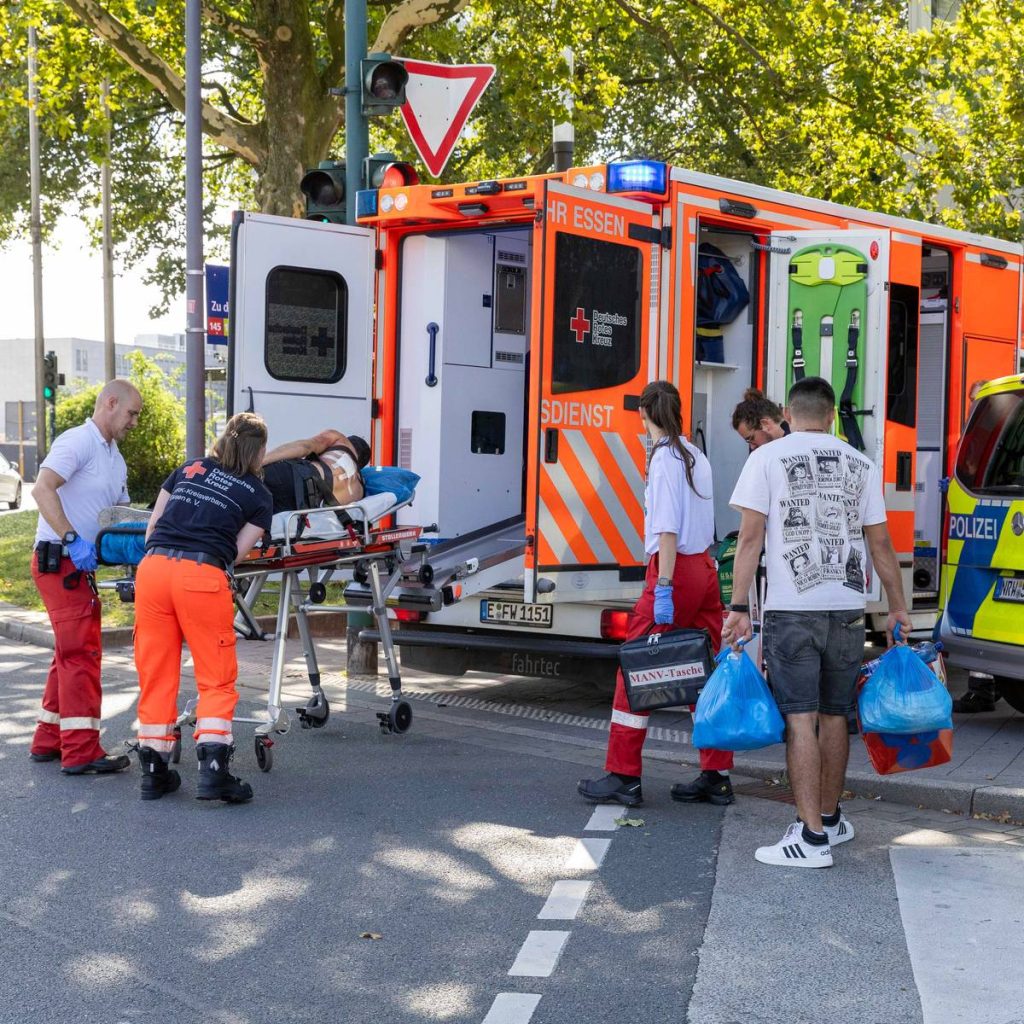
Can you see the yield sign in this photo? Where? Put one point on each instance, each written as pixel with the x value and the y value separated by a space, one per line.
pixel 438 101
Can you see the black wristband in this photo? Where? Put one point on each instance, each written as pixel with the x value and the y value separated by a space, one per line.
pixel 745 608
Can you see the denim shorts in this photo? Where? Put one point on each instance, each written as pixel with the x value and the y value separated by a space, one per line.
pixel 813 659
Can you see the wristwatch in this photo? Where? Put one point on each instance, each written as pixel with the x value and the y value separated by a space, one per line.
pixel 664 581
pixel 745 608
pixel 69 538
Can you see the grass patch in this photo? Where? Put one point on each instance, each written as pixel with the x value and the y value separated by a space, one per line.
pixel 17 535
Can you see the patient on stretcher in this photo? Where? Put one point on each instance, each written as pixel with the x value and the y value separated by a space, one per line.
pixel 320 470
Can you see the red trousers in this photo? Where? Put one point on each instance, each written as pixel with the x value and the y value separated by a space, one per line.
pixel 697 605
pixel 69 721
pixel 175 601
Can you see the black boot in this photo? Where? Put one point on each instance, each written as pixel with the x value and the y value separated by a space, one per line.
pixel 708 786
pixel 157 778
pixel 215 781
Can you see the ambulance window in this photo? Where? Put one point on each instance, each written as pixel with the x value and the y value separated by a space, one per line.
pixel 597 314
pixel 307 318
pixel 902 397
pixel 991 459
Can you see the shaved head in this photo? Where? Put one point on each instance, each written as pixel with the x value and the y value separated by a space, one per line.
pixel 117 409
pixel 119 389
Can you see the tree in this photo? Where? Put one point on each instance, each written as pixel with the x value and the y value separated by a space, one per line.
pixel 157 445
pixel 832 98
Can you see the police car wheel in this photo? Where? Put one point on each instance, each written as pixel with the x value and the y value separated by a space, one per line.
pixel 1012 691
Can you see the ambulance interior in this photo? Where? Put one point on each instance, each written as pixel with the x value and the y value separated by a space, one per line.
pixel 463 358
pixel 918 346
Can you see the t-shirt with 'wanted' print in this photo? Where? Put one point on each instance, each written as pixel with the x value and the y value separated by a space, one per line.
pixel 818 493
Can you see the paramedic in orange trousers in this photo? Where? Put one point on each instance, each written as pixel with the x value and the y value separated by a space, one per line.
pixel 210 512
pixel 681 590
pixel 83 474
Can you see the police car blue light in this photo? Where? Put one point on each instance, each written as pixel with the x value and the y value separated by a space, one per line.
pixel 366 203
pixel 637 176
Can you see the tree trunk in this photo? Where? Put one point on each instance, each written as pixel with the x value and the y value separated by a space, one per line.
pixel 301 117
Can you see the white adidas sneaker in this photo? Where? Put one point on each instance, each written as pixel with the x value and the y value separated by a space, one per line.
pixel 841 833
pixel 792 852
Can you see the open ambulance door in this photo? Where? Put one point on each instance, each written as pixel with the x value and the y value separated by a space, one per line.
pixel 829 317
pixel 594 336
pixel 300 345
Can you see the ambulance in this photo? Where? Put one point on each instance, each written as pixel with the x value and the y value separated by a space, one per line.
pixel 982 588
pixel 494 338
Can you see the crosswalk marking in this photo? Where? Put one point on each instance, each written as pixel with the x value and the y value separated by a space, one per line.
pixel 962 916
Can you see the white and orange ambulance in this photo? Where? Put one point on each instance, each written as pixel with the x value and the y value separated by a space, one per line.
pixel 494 337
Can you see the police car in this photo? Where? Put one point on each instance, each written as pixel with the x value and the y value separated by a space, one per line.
pixel 983 560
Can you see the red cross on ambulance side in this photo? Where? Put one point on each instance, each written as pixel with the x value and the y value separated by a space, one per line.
pixel 580 325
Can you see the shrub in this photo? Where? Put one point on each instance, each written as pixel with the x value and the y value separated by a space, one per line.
pixel 157 445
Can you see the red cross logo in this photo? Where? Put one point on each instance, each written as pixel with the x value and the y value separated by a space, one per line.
pixel 580 325
pixel 196 469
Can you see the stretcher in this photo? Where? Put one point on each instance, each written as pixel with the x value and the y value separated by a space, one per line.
pixel 342 543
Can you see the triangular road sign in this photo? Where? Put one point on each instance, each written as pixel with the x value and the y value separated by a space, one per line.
pixel 439 100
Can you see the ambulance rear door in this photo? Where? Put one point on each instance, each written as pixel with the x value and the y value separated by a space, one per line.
pixel 300 340
pixel 594 335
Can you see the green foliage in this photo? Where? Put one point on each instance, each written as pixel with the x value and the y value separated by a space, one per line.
pixel 831 98
pixel 157 445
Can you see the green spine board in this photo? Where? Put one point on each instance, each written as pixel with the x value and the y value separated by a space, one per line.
pixel 828 298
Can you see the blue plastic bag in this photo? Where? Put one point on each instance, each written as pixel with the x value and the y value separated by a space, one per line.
pixel 904 696
pixel 399 482
pixel 736 710
pixel 122 544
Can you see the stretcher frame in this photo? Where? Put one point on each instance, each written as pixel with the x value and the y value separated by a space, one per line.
pixel 365 552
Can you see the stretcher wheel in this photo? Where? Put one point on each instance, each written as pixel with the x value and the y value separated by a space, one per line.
pixel 400 717
pixel 426 574
pixel 176 746
pixel 317 593
pixel 361 573
pixel 315 713
pixel 264 754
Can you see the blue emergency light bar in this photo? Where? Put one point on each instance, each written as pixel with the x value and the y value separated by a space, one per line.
pixel 637 176
pixel 366 203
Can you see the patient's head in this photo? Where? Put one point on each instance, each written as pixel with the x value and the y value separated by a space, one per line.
pixel 361 450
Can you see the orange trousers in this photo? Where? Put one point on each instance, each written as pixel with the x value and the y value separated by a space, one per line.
pixel 174 601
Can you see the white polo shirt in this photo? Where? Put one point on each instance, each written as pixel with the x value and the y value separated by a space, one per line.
pixel 95 476
pixel 672 506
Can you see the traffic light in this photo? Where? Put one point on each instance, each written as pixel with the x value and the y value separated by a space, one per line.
pixel 382 170
pixel 50 377
pixel 324 189
pixel 383 80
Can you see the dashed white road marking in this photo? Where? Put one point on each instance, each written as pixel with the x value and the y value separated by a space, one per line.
pixel 565 902
pixel 512 1008
pixel 539 954
pixel 587 854
pixel 603 818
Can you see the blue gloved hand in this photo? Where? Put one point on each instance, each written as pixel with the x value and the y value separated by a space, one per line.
pixel 83 554
pixel 664 611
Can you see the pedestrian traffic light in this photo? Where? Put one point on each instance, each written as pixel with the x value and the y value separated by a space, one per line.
pixel 382 170
pixel 50 377
pixel 383 81
pixel 324 189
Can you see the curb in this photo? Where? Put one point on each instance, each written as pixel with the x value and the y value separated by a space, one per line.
pixel 965 799
pixel 28 627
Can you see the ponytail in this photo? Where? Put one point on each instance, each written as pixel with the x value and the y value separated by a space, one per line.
pixel 662 405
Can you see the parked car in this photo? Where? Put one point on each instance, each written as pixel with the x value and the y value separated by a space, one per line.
pixel 982 627
pixel 10 483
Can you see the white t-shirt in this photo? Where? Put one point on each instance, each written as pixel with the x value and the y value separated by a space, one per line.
pixel 95 476
pixel 672 506
pixel 818 494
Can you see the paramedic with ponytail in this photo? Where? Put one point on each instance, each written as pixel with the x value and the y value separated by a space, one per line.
pixel 210 512
pixel 681 590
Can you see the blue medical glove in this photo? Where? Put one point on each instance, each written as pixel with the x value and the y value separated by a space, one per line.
pixel 83 554
pixel 664 612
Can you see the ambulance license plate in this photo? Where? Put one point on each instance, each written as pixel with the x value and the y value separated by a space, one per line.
pixel 1009 589
pixel 517 613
